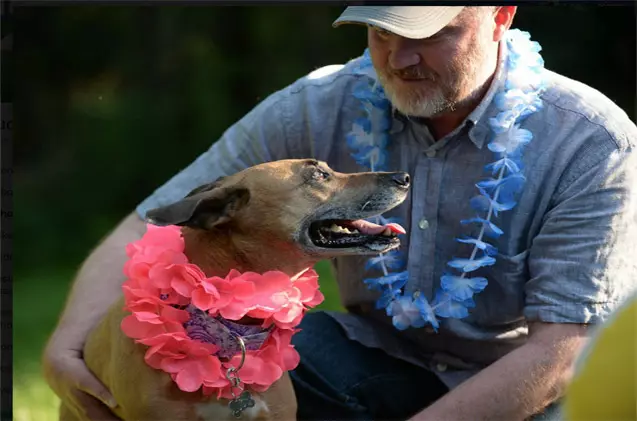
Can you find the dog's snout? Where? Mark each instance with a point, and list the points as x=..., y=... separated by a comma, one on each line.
x=402, y=179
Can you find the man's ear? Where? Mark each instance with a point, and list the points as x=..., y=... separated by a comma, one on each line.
x=202, y=208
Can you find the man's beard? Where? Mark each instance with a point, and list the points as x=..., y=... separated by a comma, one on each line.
x=460, y=86
x=416, y=103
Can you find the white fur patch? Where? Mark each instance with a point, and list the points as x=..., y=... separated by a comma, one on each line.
x=216, y=411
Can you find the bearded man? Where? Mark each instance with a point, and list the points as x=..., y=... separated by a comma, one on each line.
x=466, y=330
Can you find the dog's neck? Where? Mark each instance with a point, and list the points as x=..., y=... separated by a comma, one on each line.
x=217, y=252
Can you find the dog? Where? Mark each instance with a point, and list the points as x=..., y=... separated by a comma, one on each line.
x=278, y=216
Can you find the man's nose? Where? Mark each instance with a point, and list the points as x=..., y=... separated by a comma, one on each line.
x=403, y=54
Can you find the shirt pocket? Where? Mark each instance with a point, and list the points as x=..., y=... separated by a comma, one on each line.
x=502, y=301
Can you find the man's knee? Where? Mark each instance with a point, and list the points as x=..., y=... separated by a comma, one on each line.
x=316, y=328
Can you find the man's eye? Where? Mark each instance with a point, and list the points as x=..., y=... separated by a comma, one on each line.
x=381, y=33
x=319, y=174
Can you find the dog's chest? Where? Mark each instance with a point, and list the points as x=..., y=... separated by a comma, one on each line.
x=215, y=411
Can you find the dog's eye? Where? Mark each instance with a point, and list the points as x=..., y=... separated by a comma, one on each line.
x=319, y=174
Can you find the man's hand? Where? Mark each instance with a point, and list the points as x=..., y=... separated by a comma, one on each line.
x=520, y=384
x=83, y=394
x=96, y=288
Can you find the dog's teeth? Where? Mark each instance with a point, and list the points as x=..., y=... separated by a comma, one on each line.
x=387, y=232
x=355, y=232
x=339, y=229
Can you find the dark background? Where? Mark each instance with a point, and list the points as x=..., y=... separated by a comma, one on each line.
x=110, y=101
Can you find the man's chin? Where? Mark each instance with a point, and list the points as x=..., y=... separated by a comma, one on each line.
x=418, y=108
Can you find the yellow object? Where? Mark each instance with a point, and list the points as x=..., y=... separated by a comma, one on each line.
x=604, y=386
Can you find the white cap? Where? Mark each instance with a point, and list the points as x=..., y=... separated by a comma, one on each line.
x=414, y=22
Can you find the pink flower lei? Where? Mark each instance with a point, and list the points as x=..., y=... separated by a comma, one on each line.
x=174, y=306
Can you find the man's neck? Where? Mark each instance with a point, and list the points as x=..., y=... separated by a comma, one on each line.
x=443, y=124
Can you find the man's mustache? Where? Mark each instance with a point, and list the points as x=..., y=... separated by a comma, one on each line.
x=413, y=72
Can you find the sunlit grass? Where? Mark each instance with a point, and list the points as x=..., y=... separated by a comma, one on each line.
x=32, y=398
x=38, y=300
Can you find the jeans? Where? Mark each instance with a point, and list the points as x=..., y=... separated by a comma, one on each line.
x=340, y=379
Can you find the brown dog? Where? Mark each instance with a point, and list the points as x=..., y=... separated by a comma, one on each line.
x=283, y=215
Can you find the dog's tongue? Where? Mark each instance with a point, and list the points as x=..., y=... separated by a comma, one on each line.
x=369, y=228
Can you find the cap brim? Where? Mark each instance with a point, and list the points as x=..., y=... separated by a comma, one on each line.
x=414, y=22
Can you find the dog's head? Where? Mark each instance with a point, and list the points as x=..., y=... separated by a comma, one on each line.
x=300, y=204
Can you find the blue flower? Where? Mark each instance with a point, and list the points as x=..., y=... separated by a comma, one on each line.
x=486, y=247
x=508, y=142
x=405, y=313
x=462, y=288
x=363, y=65
x=373, y=157
x=380, y=119
x=369, y=98
x=359, y=138
x=389, y=294
x=364, y=124
x=397, y=280
x=426, y=312
x=486, y=203
x=506, y=187
x=445, y=306
x=513, y=99
x=506, y=162
x=490, y=229
x=391, y=260
x=469, y=265
x=503, y=121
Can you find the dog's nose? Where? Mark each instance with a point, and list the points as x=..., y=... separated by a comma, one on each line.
x=401, y=178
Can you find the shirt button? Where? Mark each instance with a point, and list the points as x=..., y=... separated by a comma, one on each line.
x=441, y=367
x=423, y=224
x=431, y=154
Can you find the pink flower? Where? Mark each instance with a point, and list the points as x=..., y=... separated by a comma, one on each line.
x=193, y=370
x=279, y=349
x=182, y=277
x=191, y=364
x=226, y=296
x=284, y=303
x=164, y=238
x=149, y=320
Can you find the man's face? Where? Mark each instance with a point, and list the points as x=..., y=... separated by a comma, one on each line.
x=427, y=77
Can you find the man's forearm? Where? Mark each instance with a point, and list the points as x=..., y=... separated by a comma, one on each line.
x=515, y=387
x=98, y=283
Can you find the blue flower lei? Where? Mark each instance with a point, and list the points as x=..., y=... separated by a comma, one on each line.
x=369, y=138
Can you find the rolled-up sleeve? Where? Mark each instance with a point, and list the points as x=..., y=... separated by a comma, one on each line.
x=583, y=262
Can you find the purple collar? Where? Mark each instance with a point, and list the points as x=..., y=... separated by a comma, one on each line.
x=223, y=333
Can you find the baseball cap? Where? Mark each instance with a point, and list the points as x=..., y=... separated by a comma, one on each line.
x=407, y=21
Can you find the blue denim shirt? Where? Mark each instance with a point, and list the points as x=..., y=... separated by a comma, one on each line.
x=569, y=252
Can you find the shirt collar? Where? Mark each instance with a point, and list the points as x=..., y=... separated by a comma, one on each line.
x=478, y=120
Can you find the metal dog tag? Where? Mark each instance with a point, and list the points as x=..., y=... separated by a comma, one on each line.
x=244, y=401
x=241, y=403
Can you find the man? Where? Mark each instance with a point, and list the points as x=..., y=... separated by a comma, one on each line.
x=563, y=262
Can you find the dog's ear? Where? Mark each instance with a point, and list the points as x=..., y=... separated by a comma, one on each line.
x=202, y=208
x=206, y=187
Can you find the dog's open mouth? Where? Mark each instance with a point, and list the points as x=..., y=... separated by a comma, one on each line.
x=340, y=233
